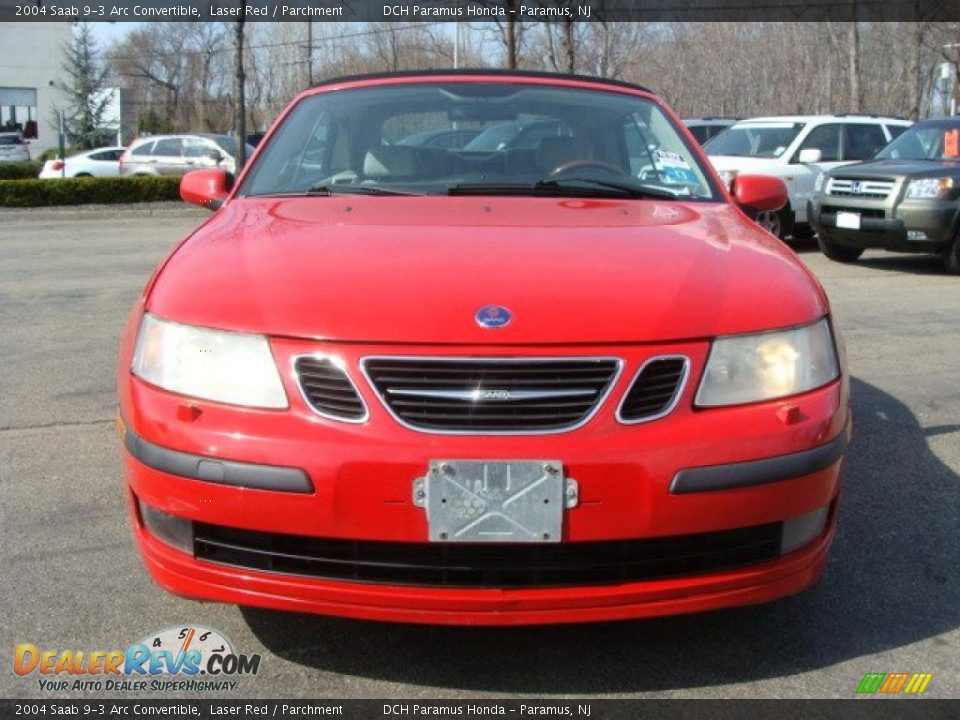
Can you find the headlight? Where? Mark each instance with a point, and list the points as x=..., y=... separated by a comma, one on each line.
x=728, y=176
x=930, y=188
x=228, y=367
x=751, y=368
x=818, y=183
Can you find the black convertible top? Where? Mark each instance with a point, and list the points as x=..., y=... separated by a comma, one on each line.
x=482, y=71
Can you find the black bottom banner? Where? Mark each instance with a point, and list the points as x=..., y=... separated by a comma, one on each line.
x=893, y=709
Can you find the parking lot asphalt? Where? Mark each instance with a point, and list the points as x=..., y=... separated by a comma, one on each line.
x=888, y=602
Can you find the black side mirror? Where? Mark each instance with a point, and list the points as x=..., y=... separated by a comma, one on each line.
x=216, y=156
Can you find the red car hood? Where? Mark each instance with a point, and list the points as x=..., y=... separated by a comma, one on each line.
x=416, y=270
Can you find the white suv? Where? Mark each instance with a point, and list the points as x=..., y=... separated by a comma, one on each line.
x=796, y=149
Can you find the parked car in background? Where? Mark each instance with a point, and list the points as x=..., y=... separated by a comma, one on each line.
x=796, y=149
x=565, y=384
x=708, y=127
x=443, y=139
x=178, y=154
x=102, y=162
x=13, y=148
x=907, y=199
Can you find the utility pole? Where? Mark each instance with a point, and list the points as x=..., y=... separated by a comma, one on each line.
x=310, y=54
x=853, y=49
x=456, y=45
x=239, y=97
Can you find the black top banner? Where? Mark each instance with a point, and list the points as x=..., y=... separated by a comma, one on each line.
x=562, y=11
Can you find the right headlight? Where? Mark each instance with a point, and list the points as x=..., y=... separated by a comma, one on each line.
x=935, y=188
x=818, y=183
x=228, y=367
x=751, y=368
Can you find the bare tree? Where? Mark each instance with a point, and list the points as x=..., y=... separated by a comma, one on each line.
x=509, y=31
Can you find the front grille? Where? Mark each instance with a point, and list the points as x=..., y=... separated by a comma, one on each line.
x=328, y=390
x=492, y=565
x=655, y=389
x=492, y=395
x=856, y=187
x=862, y=212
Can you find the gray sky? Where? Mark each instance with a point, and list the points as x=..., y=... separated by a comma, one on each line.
x=108, y=32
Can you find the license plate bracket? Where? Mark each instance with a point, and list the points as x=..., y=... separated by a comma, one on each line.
x=491, y=501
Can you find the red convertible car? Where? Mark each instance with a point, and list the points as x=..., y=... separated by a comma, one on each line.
x=557, y=382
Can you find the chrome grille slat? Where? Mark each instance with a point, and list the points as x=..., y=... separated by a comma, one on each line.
x=473, y=395
x=859, y=187
x=443, y=382
x=419, y=404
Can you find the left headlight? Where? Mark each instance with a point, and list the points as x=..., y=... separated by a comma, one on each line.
x=228, y=367
x=930, y=188
x=818, y=183
x=752, y=368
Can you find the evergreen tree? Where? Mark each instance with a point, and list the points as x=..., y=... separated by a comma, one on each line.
x=87, y=76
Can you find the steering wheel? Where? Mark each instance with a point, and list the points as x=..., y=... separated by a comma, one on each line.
x=585, y=163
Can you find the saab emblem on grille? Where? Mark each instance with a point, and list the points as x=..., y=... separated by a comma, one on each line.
x=493, y=316
x=493, y=394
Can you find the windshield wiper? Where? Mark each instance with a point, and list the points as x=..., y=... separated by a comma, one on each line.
x=324, y=189
x=629, y=189
x=580, y=187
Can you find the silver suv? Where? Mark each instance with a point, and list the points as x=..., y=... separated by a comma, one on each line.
x=178, y=154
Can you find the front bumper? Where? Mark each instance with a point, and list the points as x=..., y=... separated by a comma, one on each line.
x=181, y=574
x=689, y=473
x=888, y=225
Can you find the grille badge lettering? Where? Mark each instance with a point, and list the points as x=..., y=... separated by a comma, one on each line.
x=490, y=394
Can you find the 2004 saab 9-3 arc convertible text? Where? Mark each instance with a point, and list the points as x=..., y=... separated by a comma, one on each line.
x=552, y=381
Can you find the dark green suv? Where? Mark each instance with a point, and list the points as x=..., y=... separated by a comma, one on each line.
x=907, y=199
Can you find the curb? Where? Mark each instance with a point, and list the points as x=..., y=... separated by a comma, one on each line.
x=127, y=211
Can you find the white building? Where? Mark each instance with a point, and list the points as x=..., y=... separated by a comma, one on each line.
x=31, y=56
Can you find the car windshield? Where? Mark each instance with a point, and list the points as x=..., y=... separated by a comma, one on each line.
x=762, y=140
x=527, y=139
x=936, y=141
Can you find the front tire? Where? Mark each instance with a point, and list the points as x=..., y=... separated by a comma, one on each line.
x=776, y=222
x=838, y=253
x=951, y=257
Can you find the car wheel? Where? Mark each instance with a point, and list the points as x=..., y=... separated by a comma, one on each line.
x=839, y=253
x=776, y=222
x=951, y=257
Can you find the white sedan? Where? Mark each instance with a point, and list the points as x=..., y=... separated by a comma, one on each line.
x=102, y=162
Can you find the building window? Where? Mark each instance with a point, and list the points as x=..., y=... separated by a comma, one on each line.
x=18, y=111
